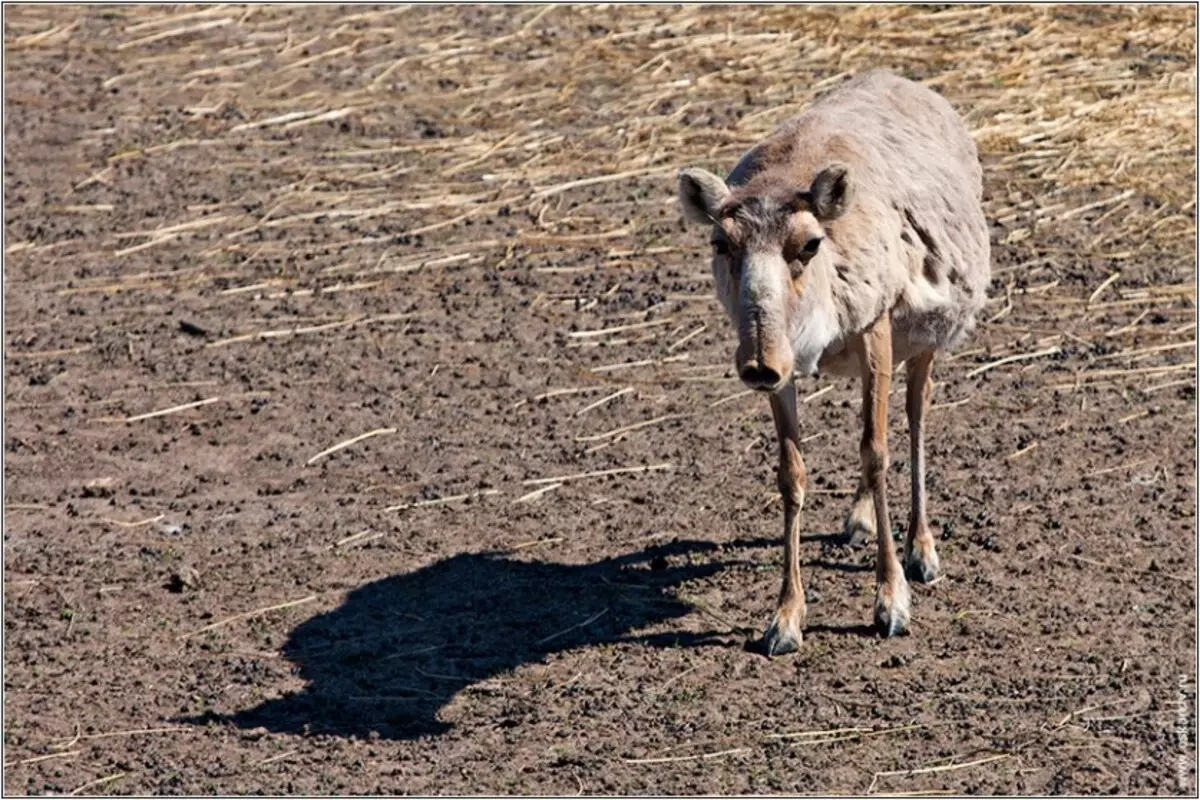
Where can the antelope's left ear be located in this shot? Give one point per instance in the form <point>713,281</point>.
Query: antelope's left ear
<point>701,194</point>
<point>831,192</point>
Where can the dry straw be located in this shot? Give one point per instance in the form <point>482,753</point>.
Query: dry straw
<point>517,103</point>
<point>499,136</point>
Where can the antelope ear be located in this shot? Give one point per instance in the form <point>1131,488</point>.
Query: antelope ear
<point>700,195</point>
<point>831,192</point>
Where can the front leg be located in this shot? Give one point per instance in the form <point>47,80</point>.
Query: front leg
<point>875,356</point>
<point>785,635</point>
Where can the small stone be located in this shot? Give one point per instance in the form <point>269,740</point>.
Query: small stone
<point>99,487</point>
<point>185,578</point>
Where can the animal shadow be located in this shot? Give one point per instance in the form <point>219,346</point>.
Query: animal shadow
<point>399,649</point>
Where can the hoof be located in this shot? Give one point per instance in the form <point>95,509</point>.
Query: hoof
<point>856,534</point>
<point>892,609</point>
<point>859,527</point>
<point>921,564</point>
<point>782,637</point>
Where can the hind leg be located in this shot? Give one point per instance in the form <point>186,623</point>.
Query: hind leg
<point>859,527</point>
<point>920,553</point>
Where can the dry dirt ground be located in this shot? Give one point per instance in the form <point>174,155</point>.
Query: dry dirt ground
<point>446,238</point>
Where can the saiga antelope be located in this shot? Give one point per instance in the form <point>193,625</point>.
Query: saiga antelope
<point>851,239</point>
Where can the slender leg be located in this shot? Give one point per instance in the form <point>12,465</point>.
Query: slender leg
<point>875,356</point>
<point>920,553</point>
<point>784,634</point>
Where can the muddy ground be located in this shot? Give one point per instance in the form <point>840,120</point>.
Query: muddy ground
<point>209,601</point>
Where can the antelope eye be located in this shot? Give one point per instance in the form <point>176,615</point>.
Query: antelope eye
<point>798,260</point>
<point>720,247</point>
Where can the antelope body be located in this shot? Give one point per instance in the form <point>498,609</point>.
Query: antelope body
<point>851,239</point>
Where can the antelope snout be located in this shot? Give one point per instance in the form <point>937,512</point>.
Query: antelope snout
<point>759,376</point>
<point>764,369</point>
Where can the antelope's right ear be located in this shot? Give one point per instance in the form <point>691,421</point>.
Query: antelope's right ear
<point>700,195</point>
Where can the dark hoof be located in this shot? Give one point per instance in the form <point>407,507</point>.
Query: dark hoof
<point>919,572</point>
<point>922,568</point>
<point>892,610</point>
<point>888,627</point>
<point>780,640</point>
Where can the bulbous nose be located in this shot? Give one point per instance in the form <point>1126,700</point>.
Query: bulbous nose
<point>759,376</point>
